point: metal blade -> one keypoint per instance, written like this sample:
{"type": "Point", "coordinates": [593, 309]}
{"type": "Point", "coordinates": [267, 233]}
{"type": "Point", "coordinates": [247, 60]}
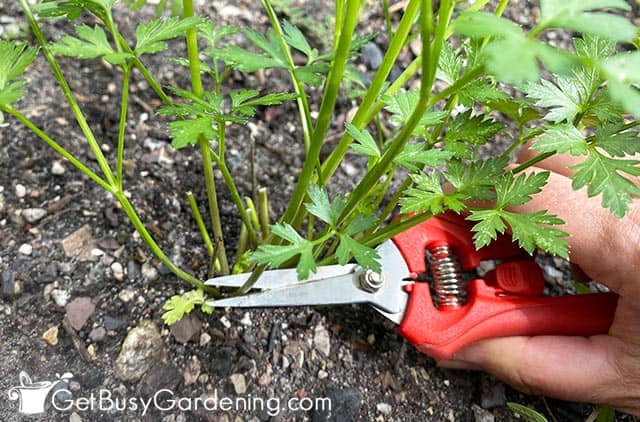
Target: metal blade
{"type": "Point", "coordinates": [273, 279]}
{"type": "Point", "coordinates": [338, 290]}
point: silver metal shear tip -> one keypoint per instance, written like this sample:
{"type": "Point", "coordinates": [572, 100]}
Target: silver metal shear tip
{"type": "Point", "coordinates": [273, 279]}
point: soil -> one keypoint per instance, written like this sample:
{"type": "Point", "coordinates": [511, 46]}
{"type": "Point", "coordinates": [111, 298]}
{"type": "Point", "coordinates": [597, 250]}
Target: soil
{"type": "Point", "coordinates": [350, 353]}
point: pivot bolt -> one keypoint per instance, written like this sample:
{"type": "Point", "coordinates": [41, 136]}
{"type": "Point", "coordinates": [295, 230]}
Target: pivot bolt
{"type": "Point", "coordinates": [371, 281]}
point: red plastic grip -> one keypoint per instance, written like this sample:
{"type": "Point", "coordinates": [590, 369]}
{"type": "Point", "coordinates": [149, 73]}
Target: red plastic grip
{"type": "Point", "coordinates": [506, 303]}
{"type": "Point", "coordinates": [489, 313]}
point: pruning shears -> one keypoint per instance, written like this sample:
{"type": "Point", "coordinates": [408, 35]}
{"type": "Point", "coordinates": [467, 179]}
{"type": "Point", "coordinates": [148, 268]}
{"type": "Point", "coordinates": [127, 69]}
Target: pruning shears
{"type": "Point", "coordinates": [425, 287]}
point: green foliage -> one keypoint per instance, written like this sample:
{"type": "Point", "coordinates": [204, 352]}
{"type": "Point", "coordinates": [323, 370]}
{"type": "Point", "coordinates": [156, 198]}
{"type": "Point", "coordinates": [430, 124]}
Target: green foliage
{"type": "Point", "coordinates": [14, 59]}
{"type": "Point", "coordinates": [151, 37]}
{"type": "Point", "coordinates": [526, 413]}
{"type": "Point", "coordinates": [276, 255]}
{"type": "Point", "coordinates": [402, 104]}
{"type": "Point", "coordinates": [179, 305]}
{"type": "Point", "coordinates": [583, 16]}
{"type": "Point", "coordinates": [302, 249]}
{"type": "Point", "coordinates": [511, 56]}
{"type": "Point", "coordinates": [530, 230]}
{"type": "Point", "coordinates": [90, 44]}
{"type": "Point", "coordinates": [201, 116]}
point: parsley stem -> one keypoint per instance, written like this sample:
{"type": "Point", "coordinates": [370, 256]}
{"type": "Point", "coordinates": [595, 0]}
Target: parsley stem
{"type": "Point", "coordinates": [122, 125]}
{"type": "Point", "coordinates": [396, 44]}
{"type": "Point", "coordinates": [151, 243]}
{"type": "Point", "coordinates": [57, 147]}
{"type": "Point", "coordinates": [302, 100]}
{"type": "Point", "coordinates": [533, 161]}
{"type": "Point", "coordinates": [66, 90]}
{"type": "Point", "coordinates": [203, 229]}
{"type": "Point", "coordinates": [235, 195]}
{"type": "Point", "coordinates": [196, 86]}
{"type": "Point", "coordinates": [332, 87]}
{"type": "Point", "coordinates": [432, 52]}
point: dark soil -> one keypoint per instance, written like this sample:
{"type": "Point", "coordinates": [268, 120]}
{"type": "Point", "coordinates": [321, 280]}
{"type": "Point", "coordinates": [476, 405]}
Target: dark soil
{"type": "Point", "coordinates": [370, 372]}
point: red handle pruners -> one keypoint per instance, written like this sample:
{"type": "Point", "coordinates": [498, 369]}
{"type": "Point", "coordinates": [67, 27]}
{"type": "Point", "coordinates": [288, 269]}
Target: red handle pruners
{"type": "Point", "coordinates": [442, 315]}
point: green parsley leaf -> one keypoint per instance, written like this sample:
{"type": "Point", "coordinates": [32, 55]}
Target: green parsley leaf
{"type": "Point", "coordinates": [401, 105]}
{"type": "Point", "coordinates": [415, 157]}
{"type": "Point", "coordinates": [363, 141]}
{"type": "Point", "coordinates": [427, 195]}
{"type": "Point", "coordinates": [276, 255]}
{"type": "Point", "coordinates": [322, 207]}
{"type": "Point", "coordinates": [579, 15]}
{"type": "Point", "coordinates": [14, 59]}
{"type": "Point", "coordinates": [245, 103]}
{"type": "Point", "coordinates": [449, 65]}
{"type": "Point", "coordinates": [605, 175]}
{"type": "Point", "coordinates": [481, 91]}
{"type": "Point", "coordinates": [510, 56]}
{"type": "Point", "coordinates": [475, 181]}
{"type": "Point", "coordinates": [563, 99]}
{"type": "Point", "coordinates": [365, 256]}
{"type": "Point", "coordinates": [151, 36]}
{"type": "Point", "coordinates": [615, 143]}
{"type": "Point", "coordinates": [512, 190]}
{"type": "Point", "coordinates": [91, 43]}
{"type": "Point", "coordinates": [531, 232]}
{"type": "Point", "coordinates": [623, 78]}
{"type": "Point", "coordinates": [294, 37]}
{"type": "Point", "coordinates": [187, 132]}
{"type": "Point", "coordinates": [476, 130]}
{"type": "Point", "coordinates": [180, 305]}
{"type": "Point", "coordinates": [561, 138]}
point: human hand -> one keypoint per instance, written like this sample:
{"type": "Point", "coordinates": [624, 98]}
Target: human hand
{"type": "Point", "coordinates": [602, 369]}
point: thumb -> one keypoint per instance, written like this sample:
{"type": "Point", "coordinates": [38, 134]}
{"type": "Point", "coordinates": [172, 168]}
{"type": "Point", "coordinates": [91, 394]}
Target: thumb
{"type": "Point", "coordinates": [569, 368]}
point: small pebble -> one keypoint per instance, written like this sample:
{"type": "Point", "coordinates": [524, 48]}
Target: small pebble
{"type": "Point", "coordinates": [149, 272]}
{"type": "Point", "coordinates": [60, 297]}
{"type": "Point", "coordinates": [74, 417]}
{"type": "Point", "coordinates": [97, 334]}
{"type": "Point", "coordinates": [239, 383]}
{"type": "Point", "coordinates": [126, 295]}
{"type": "Point", "coordinates": [25, 249]}
{"type": "Point", "coordinates": [384, 408]}
{"type": "Point", "coordinates": [246, 320]}
{"type": "Point", "coordinates": [204, 339]}
{"type": "Point", "coordinates": [57, 169]}
{"type": "Point", "coordinates": [33, 215]}
{"type": "Point", "coordinates": [225, 321]}
{"type": "Point", "coordinates": [51, 336]}
{"type": "Point", "coordinates": [20, 190]}
{"type": "Point", "coordinates": [118, 271]}
{"type": "Point", "coordinates": [322, 374]}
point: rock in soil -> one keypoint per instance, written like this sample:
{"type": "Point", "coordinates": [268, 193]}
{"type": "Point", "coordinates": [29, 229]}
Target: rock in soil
{"type": "Point", "coordinates": [51, 336]}
{"type": "Point", "coordinates": [79, 244]}
{"type": "Point", "coordinates": [239, 383]}
{"type": "Point", "coordinates": [158, 378]}
{"type": "Point", "coordinates": [98, 334]}
{"type": "Point", "coordinates": [187, 328]}
{"type": "Point", "coordinates": [142, 349]}
{"type": "Point", "coordinates": [191, 371]}
{"type": "Point", "coordinates": [8, 280]}
{"type": "Point", "coordinates": [321, 340]}
{"type": "Point", "coordinates": [33, 215]}
{"type": "Point", "coordinates": [345, 405]}
{"type": "Point", "coordinates": [60, 297]}
{"type": "Point", "coordinates": [79, 311]}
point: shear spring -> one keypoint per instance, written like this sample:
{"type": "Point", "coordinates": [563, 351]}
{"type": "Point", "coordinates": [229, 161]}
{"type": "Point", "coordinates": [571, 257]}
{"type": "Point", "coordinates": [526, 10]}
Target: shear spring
{"type": "Point", "coordinates": [449, 285]}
